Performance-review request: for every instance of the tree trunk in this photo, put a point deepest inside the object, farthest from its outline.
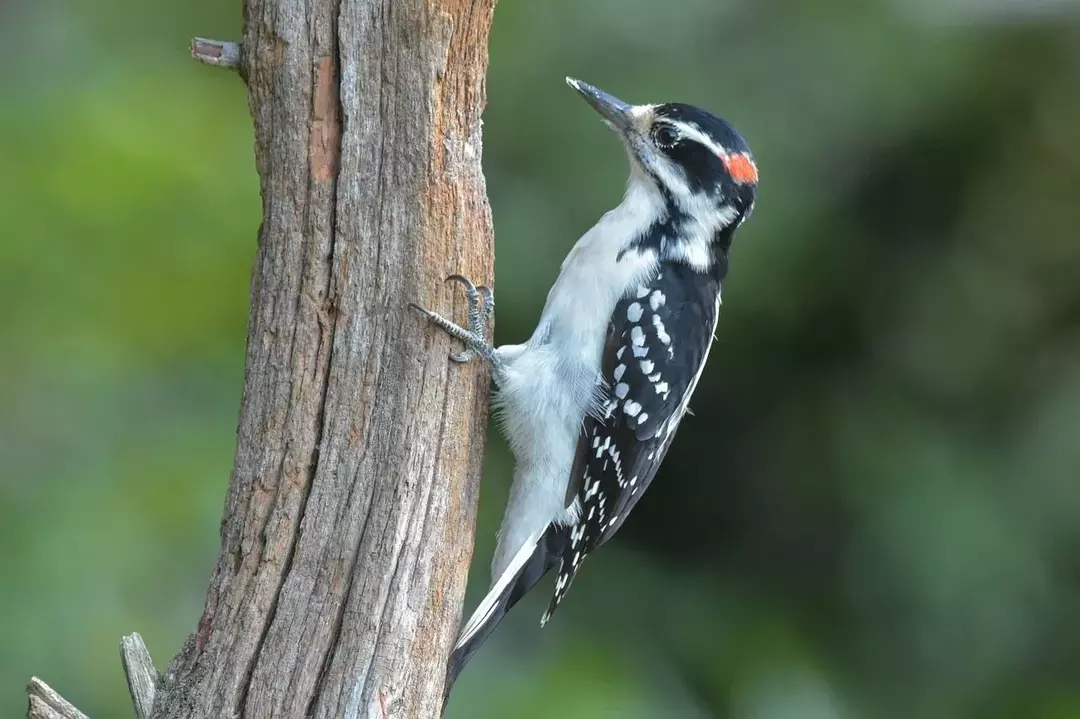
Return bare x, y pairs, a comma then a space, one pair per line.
348, 525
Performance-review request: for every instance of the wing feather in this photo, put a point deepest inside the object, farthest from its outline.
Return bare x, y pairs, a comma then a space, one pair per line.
657, 342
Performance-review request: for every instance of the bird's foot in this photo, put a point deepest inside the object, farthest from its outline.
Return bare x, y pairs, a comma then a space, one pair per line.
481, 304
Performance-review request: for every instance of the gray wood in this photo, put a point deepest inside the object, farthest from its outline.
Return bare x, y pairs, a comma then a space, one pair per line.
142, 677
348, 525
215, 52
45, 703
347, 530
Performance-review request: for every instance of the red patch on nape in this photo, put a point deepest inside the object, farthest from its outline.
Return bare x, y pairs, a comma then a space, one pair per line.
740, 167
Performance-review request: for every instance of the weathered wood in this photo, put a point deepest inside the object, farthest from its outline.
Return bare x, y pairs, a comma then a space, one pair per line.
347, 529
348, 525
45, 703
228, 55
142, 677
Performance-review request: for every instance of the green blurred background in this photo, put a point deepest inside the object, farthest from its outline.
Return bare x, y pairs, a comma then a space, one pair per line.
874, 512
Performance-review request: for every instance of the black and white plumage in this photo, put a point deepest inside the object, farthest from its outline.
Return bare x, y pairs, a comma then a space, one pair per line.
590, 403
657, 343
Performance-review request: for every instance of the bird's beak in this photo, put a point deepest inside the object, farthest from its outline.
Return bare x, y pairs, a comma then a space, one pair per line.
614, 111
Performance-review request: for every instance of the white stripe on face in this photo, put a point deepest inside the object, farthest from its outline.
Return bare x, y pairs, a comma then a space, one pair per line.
739, 165
692, 132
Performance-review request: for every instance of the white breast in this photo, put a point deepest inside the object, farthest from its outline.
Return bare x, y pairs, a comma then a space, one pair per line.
594, 277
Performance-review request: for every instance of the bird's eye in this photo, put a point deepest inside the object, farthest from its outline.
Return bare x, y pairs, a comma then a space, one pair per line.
664, 135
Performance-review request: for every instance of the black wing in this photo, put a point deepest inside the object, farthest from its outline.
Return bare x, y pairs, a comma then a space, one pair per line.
657, 343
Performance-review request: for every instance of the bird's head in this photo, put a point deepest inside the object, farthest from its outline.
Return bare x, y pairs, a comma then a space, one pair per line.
696, 161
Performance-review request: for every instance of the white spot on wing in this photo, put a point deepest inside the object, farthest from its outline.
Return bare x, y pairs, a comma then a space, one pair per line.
661, 331
646, 367
619, 372
637, 335
621, 390
632, 408
633, 312
610, 408
577, 534
657, 300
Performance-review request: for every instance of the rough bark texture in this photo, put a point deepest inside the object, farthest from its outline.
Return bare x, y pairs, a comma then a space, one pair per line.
142, 678
347, 530
45, 703
348, 526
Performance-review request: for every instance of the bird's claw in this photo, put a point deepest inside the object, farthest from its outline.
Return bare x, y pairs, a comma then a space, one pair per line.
481, 305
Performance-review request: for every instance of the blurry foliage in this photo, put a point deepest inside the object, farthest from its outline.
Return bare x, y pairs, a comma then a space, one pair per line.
874, 511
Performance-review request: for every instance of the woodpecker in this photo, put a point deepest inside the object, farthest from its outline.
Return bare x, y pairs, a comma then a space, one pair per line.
590, 403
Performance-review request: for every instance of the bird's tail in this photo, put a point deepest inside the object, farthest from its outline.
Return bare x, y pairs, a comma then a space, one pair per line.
537, 555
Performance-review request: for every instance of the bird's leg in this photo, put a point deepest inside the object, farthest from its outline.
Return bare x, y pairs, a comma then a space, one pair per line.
481, 304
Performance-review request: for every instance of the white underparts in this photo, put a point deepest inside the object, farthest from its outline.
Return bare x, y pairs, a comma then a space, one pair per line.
549, 384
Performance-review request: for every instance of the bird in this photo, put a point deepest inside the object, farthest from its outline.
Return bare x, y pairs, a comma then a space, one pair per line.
591, 401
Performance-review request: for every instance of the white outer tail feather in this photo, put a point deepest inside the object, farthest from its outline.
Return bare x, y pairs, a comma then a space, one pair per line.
483, 612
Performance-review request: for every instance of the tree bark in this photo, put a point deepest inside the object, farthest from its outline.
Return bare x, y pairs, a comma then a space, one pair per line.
348, 524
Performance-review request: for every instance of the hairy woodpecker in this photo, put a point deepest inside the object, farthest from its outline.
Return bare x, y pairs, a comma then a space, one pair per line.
591, 401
